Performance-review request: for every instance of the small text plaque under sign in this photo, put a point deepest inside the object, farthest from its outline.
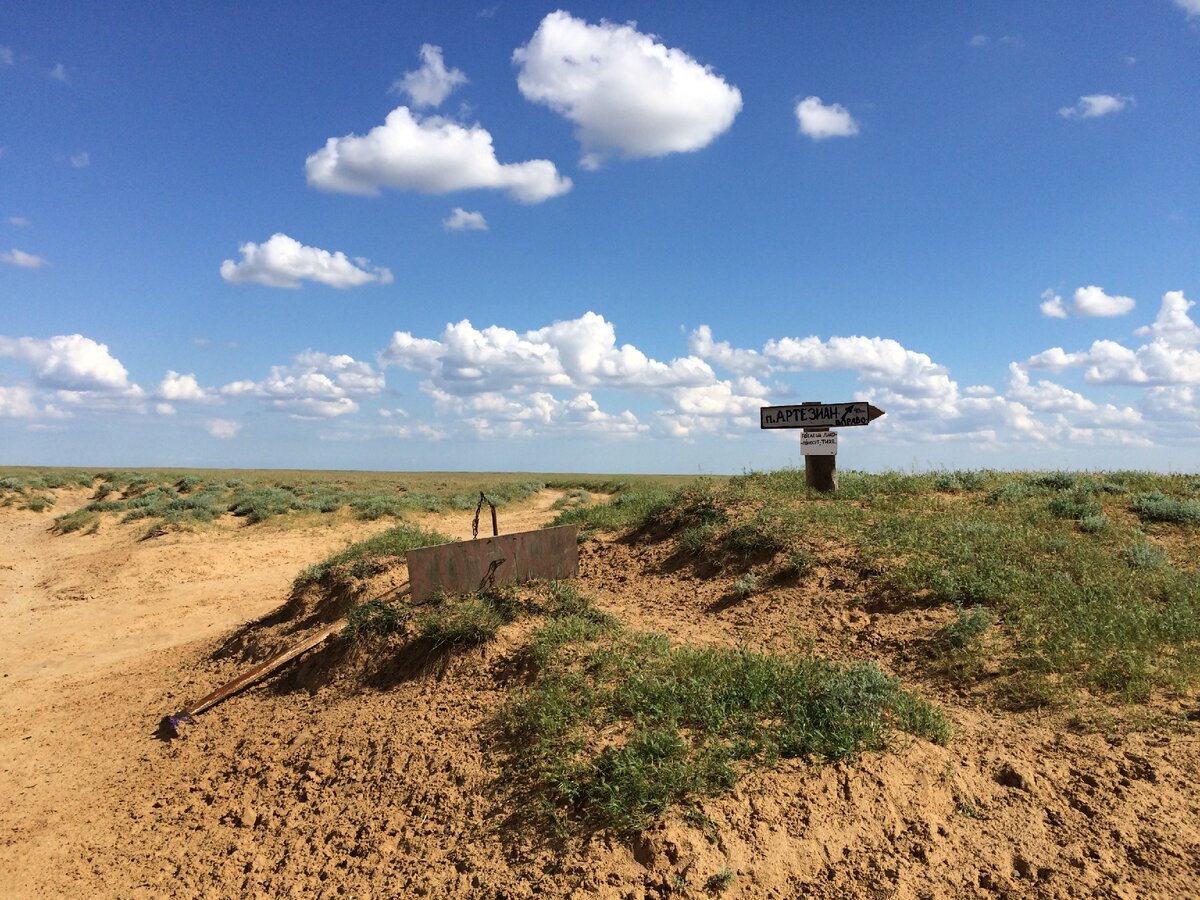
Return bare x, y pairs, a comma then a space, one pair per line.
819, 443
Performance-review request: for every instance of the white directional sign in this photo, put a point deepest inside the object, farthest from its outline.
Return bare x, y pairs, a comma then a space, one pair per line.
818, 443
818, 415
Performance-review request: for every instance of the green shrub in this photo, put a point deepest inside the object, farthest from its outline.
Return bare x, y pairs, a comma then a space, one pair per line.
1145, 556
1074, 504
1009, 492
1059, 481
966, 627
694, 540
259, 504
746, 585
375, 617
1157, 507
464, 622
374, 555
959, 481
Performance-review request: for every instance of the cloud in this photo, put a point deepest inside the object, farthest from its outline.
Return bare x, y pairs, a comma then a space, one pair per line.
284, 262
1092, 301
223, 429
6, 56
1052, 305
461, 220
627, 94
879, 361
819, 121
1173, 326
18, 221
1191, 7
492, 414
1171, 357
59, 73
81, 160
69, 362
576, 353
1045, 396
978, 40
431, 155
432, 83
17, 403
1093, 106
183, 387
1173, 403
315, 385
1087, 302
17, 257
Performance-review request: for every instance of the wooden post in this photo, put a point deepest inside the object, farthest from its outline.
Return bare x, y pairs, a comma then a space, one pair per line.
820, 472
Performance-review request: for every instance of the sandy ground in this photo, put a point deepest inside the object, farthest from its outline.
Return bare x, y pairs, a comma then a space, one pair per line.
384, 784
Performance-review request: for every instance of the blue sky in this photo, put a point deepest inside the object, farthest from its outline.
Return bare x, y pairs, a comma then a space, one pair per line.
599, 238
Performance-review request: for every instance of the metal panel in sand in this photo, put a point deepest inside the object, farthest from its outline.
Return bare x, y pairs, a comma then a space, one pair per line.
548, 554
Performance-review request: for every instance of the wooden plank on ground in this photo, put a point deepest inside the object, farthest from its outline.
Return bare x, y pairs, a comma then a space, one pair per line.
460, 568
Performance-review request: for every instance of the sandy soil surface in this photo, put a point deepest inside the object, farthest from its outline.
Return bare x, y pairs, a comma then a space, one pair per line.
371, 775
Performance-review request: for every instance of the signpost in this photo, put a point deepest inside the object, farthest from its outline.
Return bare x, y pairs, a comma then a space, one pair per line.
818, 443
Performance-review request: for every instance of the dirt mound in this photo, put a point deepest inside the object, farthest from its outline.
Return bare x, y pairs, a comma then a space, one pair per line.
370, 768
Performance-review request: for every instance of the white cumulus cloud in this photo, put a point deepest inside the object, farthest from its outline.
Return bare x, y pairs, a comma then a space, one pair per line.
819, 121
183, 387
1092, 301
493, 414
1173, 326
431, 84
1045, 396
70, 362
462, 220
315, 385
1052, 306
284, 262
576, 353
6, 56
1093, 106
59, 72
1191, 7
17, 402
15, 257
431, 155
81, 160
223, 429
1171, 357
627, 94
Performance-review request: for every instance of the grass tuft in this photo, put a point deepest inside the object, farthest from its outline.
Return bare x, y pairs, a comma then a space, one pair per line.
620, 726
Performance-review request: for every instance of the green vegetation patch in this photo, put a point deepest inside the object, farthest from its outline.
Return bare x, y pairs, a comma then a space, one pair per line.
619, 726
373, 555
1091, 606
1157, 507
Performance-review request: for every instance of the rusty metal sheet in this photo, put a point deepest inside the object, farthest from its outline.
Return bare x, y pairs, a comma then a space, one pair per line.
460, 568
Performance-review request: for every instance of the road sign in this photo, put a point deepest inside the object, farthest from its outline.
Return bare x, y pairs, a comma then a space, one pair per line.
818, 415
819, 443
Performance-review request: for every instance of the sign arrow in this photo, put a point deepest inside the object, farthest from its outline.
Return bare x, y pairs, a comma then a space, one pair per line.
819, 415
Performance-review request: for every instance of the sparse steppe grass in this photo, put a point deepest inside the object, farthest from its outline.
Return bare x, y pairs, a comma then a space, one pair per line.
617, 727
1075, 595
186, 499
612, 728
